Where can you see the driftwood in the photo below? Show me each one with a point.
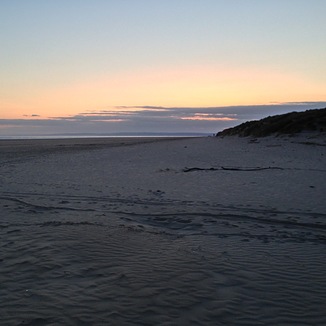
(222, 168)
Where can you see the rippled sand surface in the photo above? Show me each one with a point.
(121, 235)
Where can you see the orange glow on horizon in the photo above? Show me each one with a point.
(199, 86)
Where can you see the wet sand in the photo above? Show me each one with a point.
(202, 231)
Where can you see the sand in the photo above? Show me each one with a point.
(201, 231)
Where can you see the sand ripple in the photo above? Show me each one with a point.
(76, 267)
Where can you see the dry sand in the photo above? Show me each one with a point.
(202, 231)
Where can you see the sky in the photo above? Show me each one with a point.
(102, 66)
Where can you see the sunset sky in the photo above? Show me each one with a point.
(147, 65)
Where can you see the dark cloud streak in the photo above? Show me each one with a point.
(151, 119)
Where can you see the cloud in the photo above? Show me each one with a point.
(206, 117)
(31, 116)
(122, 119)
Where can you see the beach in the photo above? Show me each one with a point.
(163, 231)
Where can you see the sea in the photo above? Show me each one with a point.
(116, 135)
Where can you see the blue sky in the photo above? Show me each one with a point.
(65, 58)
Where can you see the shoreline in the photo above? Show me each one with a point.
(15, 147)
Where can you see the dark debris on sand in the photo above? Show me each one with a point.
(284, 124)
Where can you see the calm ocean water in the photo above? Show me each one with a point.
(132, 135)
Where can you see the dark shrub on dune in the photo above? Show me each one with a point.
(284, 124)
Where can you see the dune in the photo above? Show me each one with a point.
(201, 231)
(311, 121)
